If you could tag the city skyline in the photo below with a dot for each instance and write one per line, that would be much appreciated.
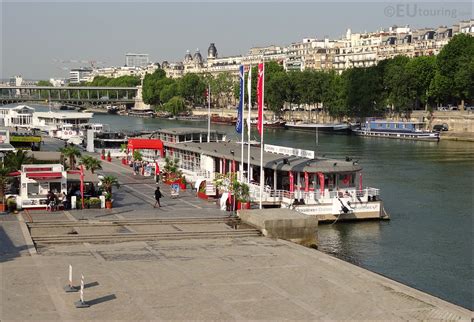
(35, 42)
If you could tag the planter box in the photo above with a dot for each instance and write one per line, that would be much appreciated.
(182, 186)
(243, 205)
(202, 195)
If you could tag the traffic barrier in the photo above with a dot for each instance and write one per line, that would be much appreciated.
(70, 288)
(81, 303)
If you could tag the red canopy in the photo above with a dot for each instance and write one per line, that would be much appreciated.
(152, 144)
(44, 175)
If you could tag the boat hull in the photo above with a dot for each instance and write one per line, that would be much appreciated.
(423, 136)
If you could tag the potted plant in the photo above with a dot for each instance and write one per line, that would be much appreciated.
(102, 154)
(94, 203)
(202, 191)
(171, 172)
(108, 200)
(4, 179)
(108, 182)
(124, 149)
(109, 157)
(11, 203)
(242, 194)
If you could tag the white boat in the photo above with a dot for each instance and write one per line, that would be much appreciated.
(396, 130)
(342, 128)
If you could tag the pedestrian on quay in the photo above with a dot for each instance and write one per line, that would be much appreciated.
(157, 197)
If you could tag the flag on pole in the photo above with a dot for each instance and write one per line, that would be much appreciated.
(260, 98)
(240, 108)
(249, 126)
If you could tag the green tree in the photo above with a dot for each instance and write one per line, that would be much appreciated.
(4, 180)
(71, 152)
(362, 91)
(44, 83)
(14, 160)
(223, 87)
(277, 88)
(175, 105)
(396, 83)
(192, 88)
(91, 163)
(420, 73)
(152, 87)
(454, 66)
(168, 91)
(334, 94)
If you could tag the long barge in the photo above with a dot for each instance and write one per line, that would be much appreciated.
(396, 130)
(297, 179)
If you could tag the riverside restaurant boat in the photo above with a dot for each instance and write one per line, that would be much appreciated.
(297, 179)
(396, 130)
(335, 128)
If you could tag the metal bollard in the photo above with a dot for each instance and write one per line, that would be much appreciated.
(70, 288)
(81, 303)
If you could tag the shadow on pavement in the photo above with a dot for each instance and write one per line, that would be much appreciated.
(8, 250)
(102, 299)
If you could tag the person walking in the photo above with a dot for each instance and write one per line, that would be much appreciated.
(157, 197)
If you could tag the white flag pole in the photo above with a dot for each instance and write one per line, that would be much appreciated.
(209, 113)
(242, 127)
(249, 126)
(262, 172)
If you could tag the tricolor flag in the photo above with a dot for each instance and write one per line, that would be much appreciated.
(260, 84)
(240, 108)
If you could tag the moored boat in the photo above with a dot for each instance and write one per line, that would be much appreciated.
(396, 130)
(269, 123)
(227, 120)
(336, 128)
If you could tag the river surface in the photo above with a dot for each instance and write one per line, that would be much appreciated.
(427, 189)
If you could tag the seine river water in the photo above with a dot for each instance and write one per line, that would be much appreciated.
(427, 189)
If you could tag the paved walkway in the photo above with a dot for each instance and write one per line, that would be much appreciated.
(215, 279)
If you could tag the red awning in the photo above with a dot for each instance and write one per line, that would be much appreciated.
(44, 175)
(152, 144)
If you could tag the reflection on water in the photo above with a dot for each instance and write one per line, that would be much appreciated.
(337, 239)
(426, 187)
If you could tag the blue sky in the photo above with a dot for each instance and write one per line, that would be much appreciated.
(35, 34)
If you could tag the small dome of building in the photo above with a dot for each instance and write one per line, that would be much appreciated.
(197, 57)
(188, 57)
(165, 64)
(212, 51)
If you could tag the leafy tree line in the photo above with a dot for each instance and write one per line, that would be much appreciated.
(400, 84)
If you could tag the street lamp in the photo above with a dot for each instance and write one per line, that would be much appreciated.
(232, 179)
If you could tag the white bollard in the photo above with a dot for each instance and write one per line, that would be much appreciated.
(70, 288)
(73, 202)
(81, 303)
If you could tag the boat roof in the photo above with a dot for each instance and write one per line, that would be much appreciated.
(271, 160)
(397, 122)
(64, 115)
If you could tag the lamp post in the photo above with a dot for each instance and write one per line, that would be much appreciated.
(232, 180)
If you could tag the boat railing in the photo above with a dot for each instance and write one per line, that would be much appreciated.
(311, 197)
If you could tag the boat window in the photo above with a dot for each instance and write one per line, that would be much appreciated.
(33, 188)
(55, 187)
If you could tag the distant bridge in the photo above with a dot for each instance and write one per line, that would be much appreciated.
(73, 95)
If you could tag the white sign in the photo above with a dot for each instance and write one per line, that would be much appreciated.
(289, 151)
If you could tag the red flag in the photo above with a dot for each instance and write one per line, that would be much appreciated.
(260, 81)
(82, 185)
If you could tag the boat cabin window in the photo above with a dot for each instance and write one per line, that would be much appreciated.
(33, 188)
(55, 187)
